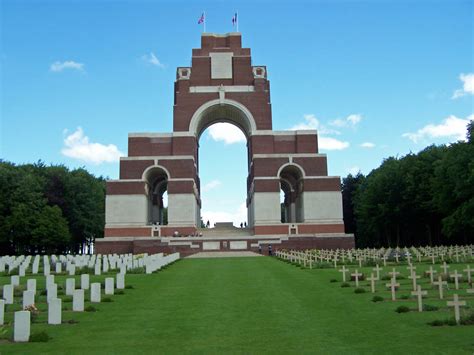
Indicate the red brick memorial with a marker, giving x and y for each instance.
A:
(222, 85)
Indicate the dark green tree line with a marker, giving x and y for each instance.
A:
(49, 209)
(419, 199)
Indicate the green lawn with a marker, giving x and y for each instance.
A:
(248, 305)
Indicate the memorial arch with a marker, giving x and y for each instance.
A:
(222, 85)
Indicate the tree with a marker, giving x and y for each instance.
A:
(349, 188)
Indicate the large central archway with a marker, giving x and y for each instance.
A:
(223, 111)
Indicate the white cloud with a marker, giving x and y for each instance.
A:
(153, 60)
(311, 122)
(349, 121)
(237, 217)
(368, 145)
(68, 64)
(452, 127)
(226, 132)
(325, 143)
(77, 146)
(329, 143)
(468, 86)
(211, 185)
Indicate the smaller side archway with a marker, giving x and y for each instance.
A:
(156, 178)
(291, 185)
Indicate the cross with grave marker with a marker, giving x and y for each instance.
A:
(411, 268)
(433, 259)
(431, 272)
(456, 304)
(356, 276)
(470, 290)
(408, 257)
(419, 293)
(372, 280)
(343, 270)
(440, 283)
(468, 272)
(445, 267)
(414, 277)
(377, 270)
(393, 284)
(394, 273)
(456, 278)
(384, 258)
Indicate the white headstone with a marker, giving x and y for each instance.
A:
(52, 291)
(28, 298)
(2, 311)
(109, 286)
(21, 329)
(31, 285)
(15, 280)
(85, 281)
(78, 300)
(70, 286)
(8, 294)
(54, 311)
(95, 292)
(120, 281)
(49, 280)
(97, 268)
(72, 270)
(59, 268)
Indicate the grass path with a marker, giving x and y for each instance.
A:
(246, 305)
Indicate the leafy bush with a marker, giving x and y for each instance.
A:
(359, 290)
(345, 284)
(333, 280)
(430, 308)
(90, 309)
(40, 337)
(404, 297)
(129, 287)
(107, 299)
(402, 309)
(119, 292)
(377, 299)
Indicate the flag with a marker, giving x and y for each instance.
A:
(201, 19)
(234, 19)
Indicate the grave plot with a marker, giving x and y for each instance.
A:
(42, 291)
(438, 280)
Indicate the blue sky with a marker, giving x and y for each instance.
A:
(393, 76)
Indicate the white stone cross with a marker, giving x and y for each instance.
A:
(372, 280)
(377, 270)
(411, 268)
(431, 272)
(384, 258)
(393, 284)
(445, 267)
(440, 283)
(394, 273)
(456, 277)
(408, 257)
(456, 303)
(356, 276)
(344, 271)
(414, 277)
(397, 256)
(468, 272)
(419, 293)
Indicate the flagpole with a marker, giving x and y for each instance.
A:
(237, 21)
(204, 21)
